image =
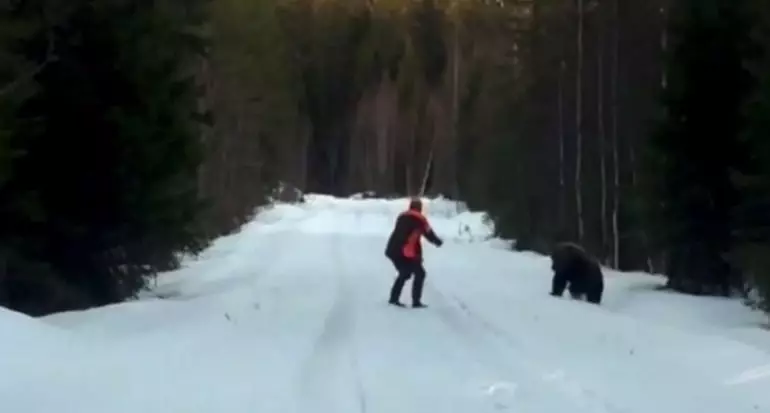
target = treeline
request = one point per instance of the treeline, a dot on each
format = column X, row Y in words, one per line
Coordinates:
column 707, row 192
column 99, row 148
column 641, row 131
column 132, row 132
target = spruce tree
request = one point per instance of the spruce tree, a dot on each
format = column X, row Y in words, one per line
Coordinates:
column 697, row 145
column 752, row 234
column 110, row 153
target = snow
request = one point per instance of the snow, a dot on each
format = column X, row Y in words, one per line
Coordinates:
column 289, row 315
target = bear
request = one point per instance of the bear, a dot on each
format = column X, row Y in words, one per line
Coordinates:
column 573, row 266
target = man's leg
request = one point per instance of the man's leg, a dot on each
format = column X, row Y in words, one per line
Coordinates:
column 417, row 284
column 404, row 272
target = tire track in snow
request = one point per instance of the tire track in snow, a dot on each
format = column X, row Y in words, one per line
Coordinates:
column 496, row 349
column 244, row 283
column 278, row 250
column 242, row 290
column 346, row 293
column 329, row 379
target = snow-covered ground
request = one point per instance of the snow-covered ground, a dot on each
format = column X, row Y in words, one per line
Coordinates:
column 290, row 315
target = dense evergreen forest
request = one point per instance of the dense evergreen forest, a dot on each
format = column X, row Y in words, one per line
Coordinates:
column 134, row 132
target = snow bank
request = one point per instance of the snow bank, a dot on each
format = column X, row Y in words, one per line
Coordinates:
column 31, row 347
column 324, row 214
column 639, row 295
column 20, row 334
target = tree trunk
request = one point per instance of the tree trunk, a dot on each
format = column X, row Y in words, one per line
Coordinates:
column 562, row 172
column 579, row 123
column 615, row 138
column 645, row 238
column 664, row 47
column 453, row 190
column 426, row 174
column 602, row 142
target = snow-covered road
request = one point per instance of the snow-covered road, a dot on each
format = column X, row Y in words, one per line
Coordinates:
column 290, row 315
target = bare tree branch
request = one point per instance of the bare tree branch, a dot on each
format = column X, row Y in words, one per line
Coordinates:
column 50, row 56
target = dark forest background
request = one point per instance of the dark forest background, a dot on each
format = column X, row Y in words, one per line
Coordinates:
column 134, row 132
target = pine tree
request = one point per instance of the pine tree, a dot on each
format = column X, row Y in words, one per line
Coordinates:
column 110, row 155
column 21, row 276
column 252, row 91
column 697, row 145
column 751, row 215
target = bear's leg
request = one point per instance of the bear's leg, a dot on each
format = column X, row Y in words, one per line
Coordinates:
column 576, row 289
column 594, row 296
column 595, row 285
column 558, row 284
column 577, row 296
column 595, row 290
column 578, row 285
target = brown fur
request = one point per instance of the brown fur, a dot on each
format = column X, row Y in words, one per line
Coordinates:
column 575, row 269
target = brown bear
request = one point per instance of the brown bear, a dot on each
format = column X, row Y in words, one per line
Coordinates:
column 573, row 266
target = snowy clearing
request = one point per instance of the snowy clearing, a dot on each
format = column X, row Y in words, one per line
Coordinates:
column 290, row 315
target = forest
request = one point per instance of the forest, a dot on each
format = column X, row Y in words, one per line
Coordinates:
column 132, row 133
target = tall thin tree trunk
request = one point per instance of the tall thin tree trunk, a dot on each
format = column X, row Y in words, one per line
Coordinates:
column 664, row 46
column 562, row 171
column 410, row 157
column 579, row 123
column 301, row 161
column 645, row 238
column 455, row 106
column 615, row 137
column 602, row 141
column 426, row 174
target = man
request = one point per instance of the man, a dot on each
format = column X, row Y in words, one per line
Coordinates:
column 405, row 252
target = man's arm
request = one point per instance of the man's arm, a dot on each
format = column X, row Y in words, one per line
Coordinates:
column 432, row 237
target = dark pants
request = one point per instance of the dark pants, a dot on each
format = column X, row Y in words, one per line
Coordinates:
column 406, row 268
